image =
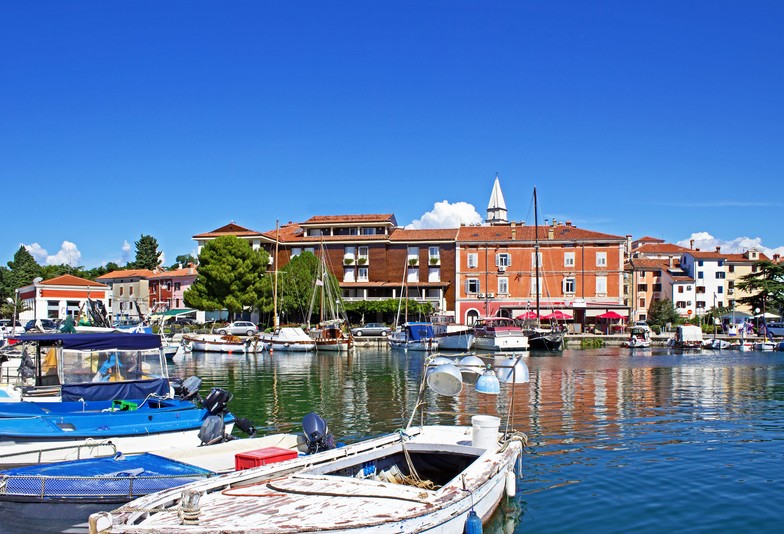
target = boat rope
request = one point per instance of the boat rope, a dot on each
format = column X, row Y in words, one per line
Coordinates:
column 413, row 479
column 515, row 436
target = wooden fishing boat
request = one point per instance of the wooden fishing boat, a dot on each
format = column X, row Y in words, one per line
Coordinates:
column 223, row 343
column 429, row 478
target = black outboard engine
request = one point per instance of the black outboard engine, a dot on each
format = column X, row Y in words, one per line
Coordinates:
column 317, row 434
column 217, row 401
column 246, row 425
column 213, row 430
column 189, row 389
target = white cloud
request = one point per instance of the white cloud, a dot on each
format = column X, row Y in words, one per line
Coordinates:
column 36, row 251
column 705, row 241
column 446, row 215
column 126, row 252
column 67, row 255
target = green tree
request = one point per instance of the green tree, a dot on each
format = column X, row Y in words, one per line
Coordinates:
column 183, row 260
column 661, row 312
column 22, row 270
column 766, row 285
column 147, row 254
column 230, row 276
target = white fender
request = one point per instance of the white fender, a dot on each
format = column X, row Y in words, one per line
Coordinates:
column 511, row 484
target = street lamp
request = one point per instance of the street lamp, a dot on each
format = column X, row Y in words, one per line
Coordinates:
column 13, row 301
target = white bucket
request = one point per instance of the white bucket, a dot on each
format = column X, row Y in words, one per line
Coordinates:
column 484, row 433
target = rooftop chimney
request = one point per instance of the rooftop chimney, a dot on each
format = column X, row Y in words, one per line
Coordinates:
column 718, row 249
column 550, row 233
column 691, row 244
column 568, row 223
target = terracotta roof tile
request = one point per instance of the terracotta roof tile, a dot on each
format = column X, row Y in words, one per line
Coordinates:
column 660, row 248
column 229, row 229
column 706, row 255
column 424, row 234
column 741, row 258
column 127, row 273
column 362, row 217
column 649, row 239
column 528, row 233
column 175, row 273
column 71, row 280
column 648, row 263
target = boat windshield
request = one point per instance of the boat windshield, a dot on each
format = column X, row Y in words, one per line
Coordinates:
column 80, row 366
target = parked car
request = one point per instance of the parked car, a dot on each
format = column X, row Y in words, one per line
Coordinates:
column 183, row 321
column 48, row 325
column 371, row 329
column 239, row 328
column 6, row 329
column 775, row 329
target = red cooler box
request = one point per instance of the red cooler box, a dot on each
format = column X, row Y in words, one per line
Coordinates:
column 259, row 457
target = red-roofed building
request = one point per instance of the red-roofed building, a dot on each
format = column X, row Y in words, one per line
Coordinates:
column 167, row 288
column 60, row 297
column 738, row 266
column 130, row 293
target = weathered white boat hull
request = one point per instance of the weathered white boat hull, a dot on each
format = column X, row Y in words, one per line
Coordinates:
column 510, row 343
column 314, row 493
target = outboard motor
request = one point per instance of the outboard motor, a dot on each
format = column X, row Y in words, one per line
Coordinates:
column 246, row 425
column 213, row 430
column 317, row 434
column 189, row 389
column 217, row 401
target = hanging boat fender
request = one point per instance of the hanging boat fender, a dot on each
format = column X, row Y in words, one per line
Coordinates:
column 473, row 524
column 511, row 484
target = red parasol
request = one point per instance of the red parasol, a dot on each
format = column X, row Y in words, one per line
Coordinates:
column 559, row 316
column 527, row 315
column 611, row 315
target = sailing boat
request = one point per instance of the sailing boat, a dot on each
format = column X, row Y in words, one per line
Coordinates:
column 540, row 338
column 418, row 336
column 285, row 338
column 329, row 336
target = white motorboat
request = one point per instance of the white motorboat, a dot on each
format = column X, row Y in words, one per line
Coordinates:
column 499, row 333
column 288, row 338
column 223, row 343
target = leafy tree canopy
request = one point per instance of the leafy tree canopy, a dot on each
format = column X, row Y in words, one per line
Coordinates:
column 147, row 254
column 230, row 276
column 183, row 260
column 766, row 286
column 22, row 270
column 661, row 312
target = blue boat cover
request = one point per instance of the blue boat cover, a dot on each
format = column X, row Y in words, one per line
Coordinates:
column 133, row 389
column 97, row 341
column 115, row 479
column 419, row 331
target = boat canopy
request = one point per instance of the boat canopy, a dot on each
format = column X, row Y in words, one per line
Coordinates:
column 96, row 341
column 419, row 331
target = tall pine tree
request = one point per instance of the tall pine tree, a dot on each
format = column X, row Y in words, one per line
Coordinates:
column 147, row 254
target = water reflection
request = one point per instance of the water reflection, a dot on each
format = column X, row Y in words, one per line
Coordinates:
column 652, row 438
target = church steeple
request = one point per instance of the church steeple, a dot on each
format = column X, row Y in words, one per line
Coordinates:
column 496, row 208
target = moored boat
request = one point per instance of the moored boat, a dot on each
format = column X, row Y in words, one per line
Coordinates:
column 223, row 343
column 499, row 333
column 415, row 336
column 288, row 338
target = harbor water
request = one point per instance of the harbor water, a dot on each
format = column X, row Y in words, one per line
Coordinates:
column 648, row 440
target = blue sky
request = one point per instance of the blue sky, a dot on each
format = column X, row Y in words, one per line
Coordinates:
column 119, row 119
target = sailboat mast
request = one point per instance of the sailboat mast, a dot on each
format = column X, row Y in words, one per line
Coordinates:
column 536, row 252
column 275, row 320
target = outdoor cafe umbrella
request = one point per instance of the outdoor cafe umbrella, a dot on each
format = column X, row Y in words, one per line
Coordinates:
column 558, row 315
column 609, row 317
column 530, row 314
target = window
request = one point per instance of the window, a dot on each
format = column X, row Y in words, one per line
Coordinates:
column 657, row 287
column 503, row 285
column 642, row 302
column 680, row 289
column 433, row 252
column 721, row 289
column 720, row 275
column 657, row 273
column 568, row 259
column 368, row 231
column 503, row 260
column 472, row 260
column 569, row 285
column 534, row 257
column 699, row 263
column 642, row 287
column 731, row 284
column 601, row 285
column 731, row 268
column 680, row 304
column 349, row 251
column 700, row 275
column 348, row 274
column 295, row 251
column 433, row 274
column 413, row 274
column 601, row 259
column 701, row 304
column 122, row 290
column 362, row 255
column 536, row 283
column 177, row 286
column 472, row 286
column 362, row 274
column 130, row 290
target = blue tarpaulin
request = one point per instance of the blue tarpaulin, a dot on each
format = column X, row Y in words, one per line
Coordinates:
column 97, row 341
column 135, row 389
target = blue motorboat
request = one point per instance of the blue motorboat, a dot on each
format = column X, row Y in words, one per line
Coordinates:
column 91, row 367
column 151, row 404
column 418, row 336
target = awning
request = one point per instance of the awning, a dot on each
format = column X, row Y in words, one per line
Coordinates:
column 172, row 313
column 559, row 316
column 611, row 315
